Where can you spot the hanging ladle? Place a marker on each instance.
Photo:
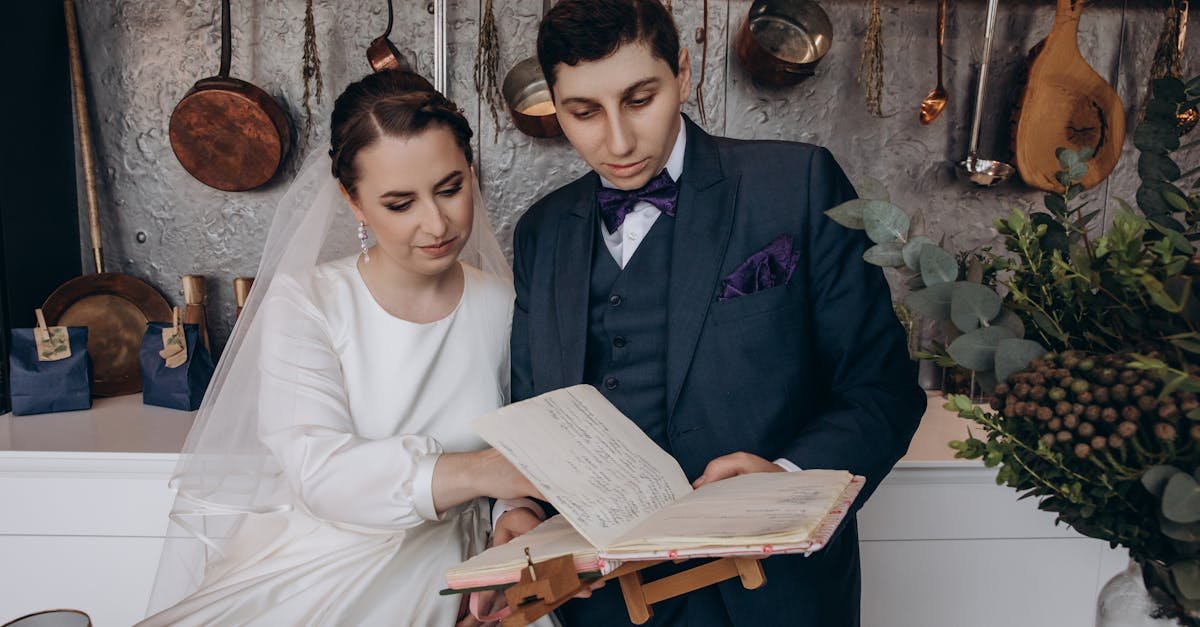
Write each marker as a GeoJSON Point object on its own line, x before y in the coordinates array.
{"type": "Point", "coordinates": [935, 102]}
{"type": "Point", "coordinates": [528, 96]}
{"type": "Point", "coordinates": [984, 172]}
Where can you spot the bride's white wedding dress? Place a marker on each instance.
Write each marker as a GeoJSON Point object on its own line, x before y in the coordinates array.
{"type": "Point", "coordinates": [355, 406]}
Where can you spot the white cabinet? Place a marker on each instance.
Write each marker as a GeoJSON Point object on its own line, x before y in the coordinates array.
{"type": "Point", "coordinates": [82, 519]}
{"type": "Point", "coordinates": [942, 545]}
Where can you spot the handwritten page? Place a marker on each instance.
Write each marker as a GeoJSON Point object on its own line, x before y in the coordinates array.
{"type": "Point", "coordinates": [760, 508]}
{"type": "Point", "coordinates": [590, 461]}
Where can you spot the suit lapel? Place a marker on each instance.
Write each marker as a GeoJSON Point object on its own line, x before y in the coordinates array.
{"type": "Point", "coordinates": [572, 277]}
{"type": "Point", "coordinates": [702, 227]}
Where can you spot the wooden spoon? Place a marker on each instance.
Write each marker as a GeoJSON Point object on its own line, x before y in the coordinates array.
{"type": "Point", "coordinates": [935, 102]}
{"type": "Point", "coordinates": [1067, 104]}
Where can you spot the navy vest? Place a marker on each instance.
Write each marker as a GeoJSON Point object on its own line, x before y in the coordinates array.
{"type": "Point", "coordinates": [627, 329]}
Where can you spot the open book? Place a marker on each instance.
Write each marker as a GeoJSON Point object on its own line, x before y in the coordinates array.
{"type": "Point", "coordinates": [622, 498]}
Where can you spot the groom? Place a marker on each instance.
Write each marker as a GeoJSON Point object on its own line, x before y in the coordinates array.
{"type": "Point", "coordinates": [695, 281]}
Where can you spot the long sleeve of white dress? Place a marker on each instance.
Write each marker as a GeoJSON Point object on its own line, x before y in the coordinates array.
{"type": "Point", "coordinates": [304, 419]}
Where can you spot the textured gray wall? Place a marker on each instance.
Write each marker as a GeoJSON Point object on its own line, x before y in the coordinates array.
{"type": "Point", "coordinates": [141, 56]}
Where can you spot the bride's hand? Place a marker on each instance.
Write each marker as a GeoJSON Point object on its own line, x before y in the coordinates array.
{"type": "Point", "coordinates": [501, 480]}
{"type": "Point", "coordinates": [461, 477]}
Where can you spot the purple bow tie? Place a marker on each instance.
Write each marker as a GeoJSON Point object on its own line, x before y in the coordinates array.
{"type": "Point", "coordinates": [615, 204]}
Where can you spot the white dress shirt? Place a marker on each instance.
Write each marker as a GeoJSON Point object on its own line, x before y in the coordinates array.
{"type": "Point", "coordinates": [623, 242]}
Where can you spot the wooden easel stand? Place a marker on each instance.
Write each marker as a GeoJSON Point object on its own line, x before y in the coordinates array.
{"type": "Point", "coordinates": [547, 585]}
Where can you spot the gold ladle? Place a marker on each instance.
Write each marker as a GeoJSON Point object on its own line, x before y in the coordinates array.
{"type": "Point", "coordinates": [935, 102]}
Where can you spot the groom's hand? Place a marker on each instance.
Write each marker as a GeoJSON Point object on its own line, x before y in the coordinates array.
{"type": "Point", "coordinates": [513, 523]}
{"type": "Point", "coordinates": [734, 464]}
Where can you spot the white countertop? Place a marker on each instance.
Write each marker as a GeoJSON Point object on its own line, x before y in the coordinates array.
{"type": "Point", "coordinates": [124, 425]}
{"type": "Point", "coordinates": [113, 425]}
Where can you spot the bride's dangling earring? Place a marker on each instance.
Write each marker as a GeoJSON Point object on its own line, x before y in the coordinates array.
{"type": "Point", "coordinates": [362, 241]}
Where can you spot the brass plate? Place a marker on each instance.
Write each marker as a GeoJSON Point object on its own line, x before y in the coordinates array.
{"type": "Point", "coordinates": [115, 308]}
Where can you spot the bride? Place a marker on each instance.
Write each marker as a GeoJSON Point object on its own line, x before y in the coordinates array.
{"type": "Point", "coordinates": [331, 476]}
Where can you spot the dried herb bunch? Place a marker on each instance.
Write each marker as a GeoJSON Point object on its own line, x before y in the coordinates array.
{"type": "Point", "coordinates": [487, 64]}
{"type": "Point", "coordinates": [870, 63]}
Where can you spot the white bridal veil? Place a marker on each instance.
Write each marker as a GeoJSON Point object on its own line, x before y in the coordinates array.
{"type": "Point", "coordinates": [225, 472]}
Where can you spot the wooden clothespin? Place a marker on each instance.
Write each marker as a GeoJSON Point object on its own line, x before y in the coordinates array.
{"type": "Point", "coordinates": [44, 333]}
{"type": "Point", "coordinates": [174, 350]}
{"type": "Point", "coordinates": [53, 343]}
{"type": "Point", "coordinates": [529, 565]}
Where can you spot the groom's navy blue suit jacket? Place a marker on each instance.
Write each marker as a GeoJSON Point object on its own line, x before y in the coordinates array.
{"type": "Point", "coordinates": [815, 371]}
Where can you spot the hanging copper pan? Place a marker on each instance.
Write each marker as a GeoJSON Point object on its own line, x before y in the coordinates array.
{"type": "Point", "coordinates": [382, 54]}
{"type": "Point", "coordinates": [227, 133]}
{"type": "Point", "coordinates": [114, 307]}
{"type": "Point", "coordinates": [528, 96]}
{"type": "Point", "coordinates": [781, 41]}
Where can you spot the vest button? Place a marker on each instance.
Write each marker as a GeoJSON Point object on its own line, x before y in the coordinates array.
{"type": "Point", "coordinates": [619, 342]}
{"type": "Point", "coordinates": [611, 383]}
{"type": "Point", "coordinates": [614, 300]}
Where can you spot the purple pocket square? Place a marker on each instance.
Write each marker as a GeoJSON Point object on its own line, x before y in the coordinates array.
{"type": "Point", "coordinates": [767, 268]}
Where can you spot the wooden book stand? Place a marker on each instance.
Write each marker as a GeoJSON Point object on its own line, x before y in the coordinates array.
{"type": "Point", "coordinates": [545, 586]}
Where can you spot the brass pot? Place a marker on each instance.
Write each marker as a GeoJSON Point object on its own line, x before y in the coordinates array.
{"type": "Point", "coordinates": [781, 41]}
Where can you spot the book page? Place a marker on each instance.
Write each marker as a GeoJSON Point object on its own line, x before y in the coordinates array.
{"type": "Point", "coordinates": [755, 509]}
{"type": "Point", "coordinates": [590, 461]}
{"type": "Point", "coordinates": [502, 564]}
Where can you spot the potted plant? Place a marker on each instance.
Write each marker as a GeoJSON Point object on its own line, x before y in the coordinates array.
{"type": "Point", "coordinates": [1089, 345]}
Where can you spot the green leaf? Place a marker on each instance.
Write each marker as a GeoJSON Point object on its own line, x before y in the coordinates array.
{"type": "Point", "coordinates": [973, 305]}
{"type": "Point", "coordinates": [1152, 136]}
{"type": "Point", "coordinates": [1186, 575]}
{"type": "Point", "coordinates": [1150, 200]}
{"type": "Point", "coordinates": [1177, 531]}
{"type": "Point", "coordinates": [1014, 354]}
{"type": "Point", "coordinates": [849, 214]}
{"type": "Point", "coordinates": [937, 266]}
{"type": "Point", "coordinates": [1067, 158]}
{"type": "Point", "coordinates": [886, 254]}
{"type": "Point", "coordinates": [885, 222]}
{"type": "Point", "coordinates": [1047, 326]}
{"type": "Point", "coordinates": [977, 350]}
{"type": "Point", "coordinates": [1055, 237]}
{"type": "Point", "coordinates": [1191, 346]}
{"type": "Point", "coordinates": [1181, 499]}
{"type": "Point", "coordinates": [869, 188]}
{"type": "Point", "coordinates": [1056, 204]}
{"type": "Point", "coordinates": [1169, 88]}
{"type": "Point", "coordinates": [1176, 201]}
{"type": "Point", "coordinates": [932, 302]}
{"type": "Point", "coordinates": [912, 252]}
{"type": "Point", "coordinates": [960, 402]}
{"type": "Point", "coordinates": [1177, 239]}
{"type": "Point", "coordinates": [1155, 166]}
{"type": "Point", "coordinates": [1159, 295]}
{"type": "Point", "coordinates": [1160, 112]}
{"type": "Point", "coordinates": [1155, 479]}
{"type": "Point", "coordinates": [1011, 321]}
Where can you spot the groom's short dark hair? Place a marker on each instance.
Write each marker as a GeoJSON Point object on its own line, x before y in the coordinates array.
{"type": "Point", "coordinates": [575, 31]}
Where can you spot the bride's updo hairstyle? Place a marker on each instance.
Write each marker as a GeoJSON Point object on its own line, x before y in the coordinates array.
{"type": "Point", "coordinates": [395, 103]}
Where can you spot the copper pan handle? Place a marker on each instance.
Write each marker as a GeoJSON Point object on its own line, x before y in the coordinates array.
{"type": "Point", "coordinates": [85, 130]}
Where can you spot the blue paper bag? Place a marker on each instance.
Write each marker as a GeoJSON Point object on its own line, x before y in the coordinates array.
{"type": "Point", "coordinates": [181, 387]}
{"type": "Point", "coordinates": [42, 387]}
